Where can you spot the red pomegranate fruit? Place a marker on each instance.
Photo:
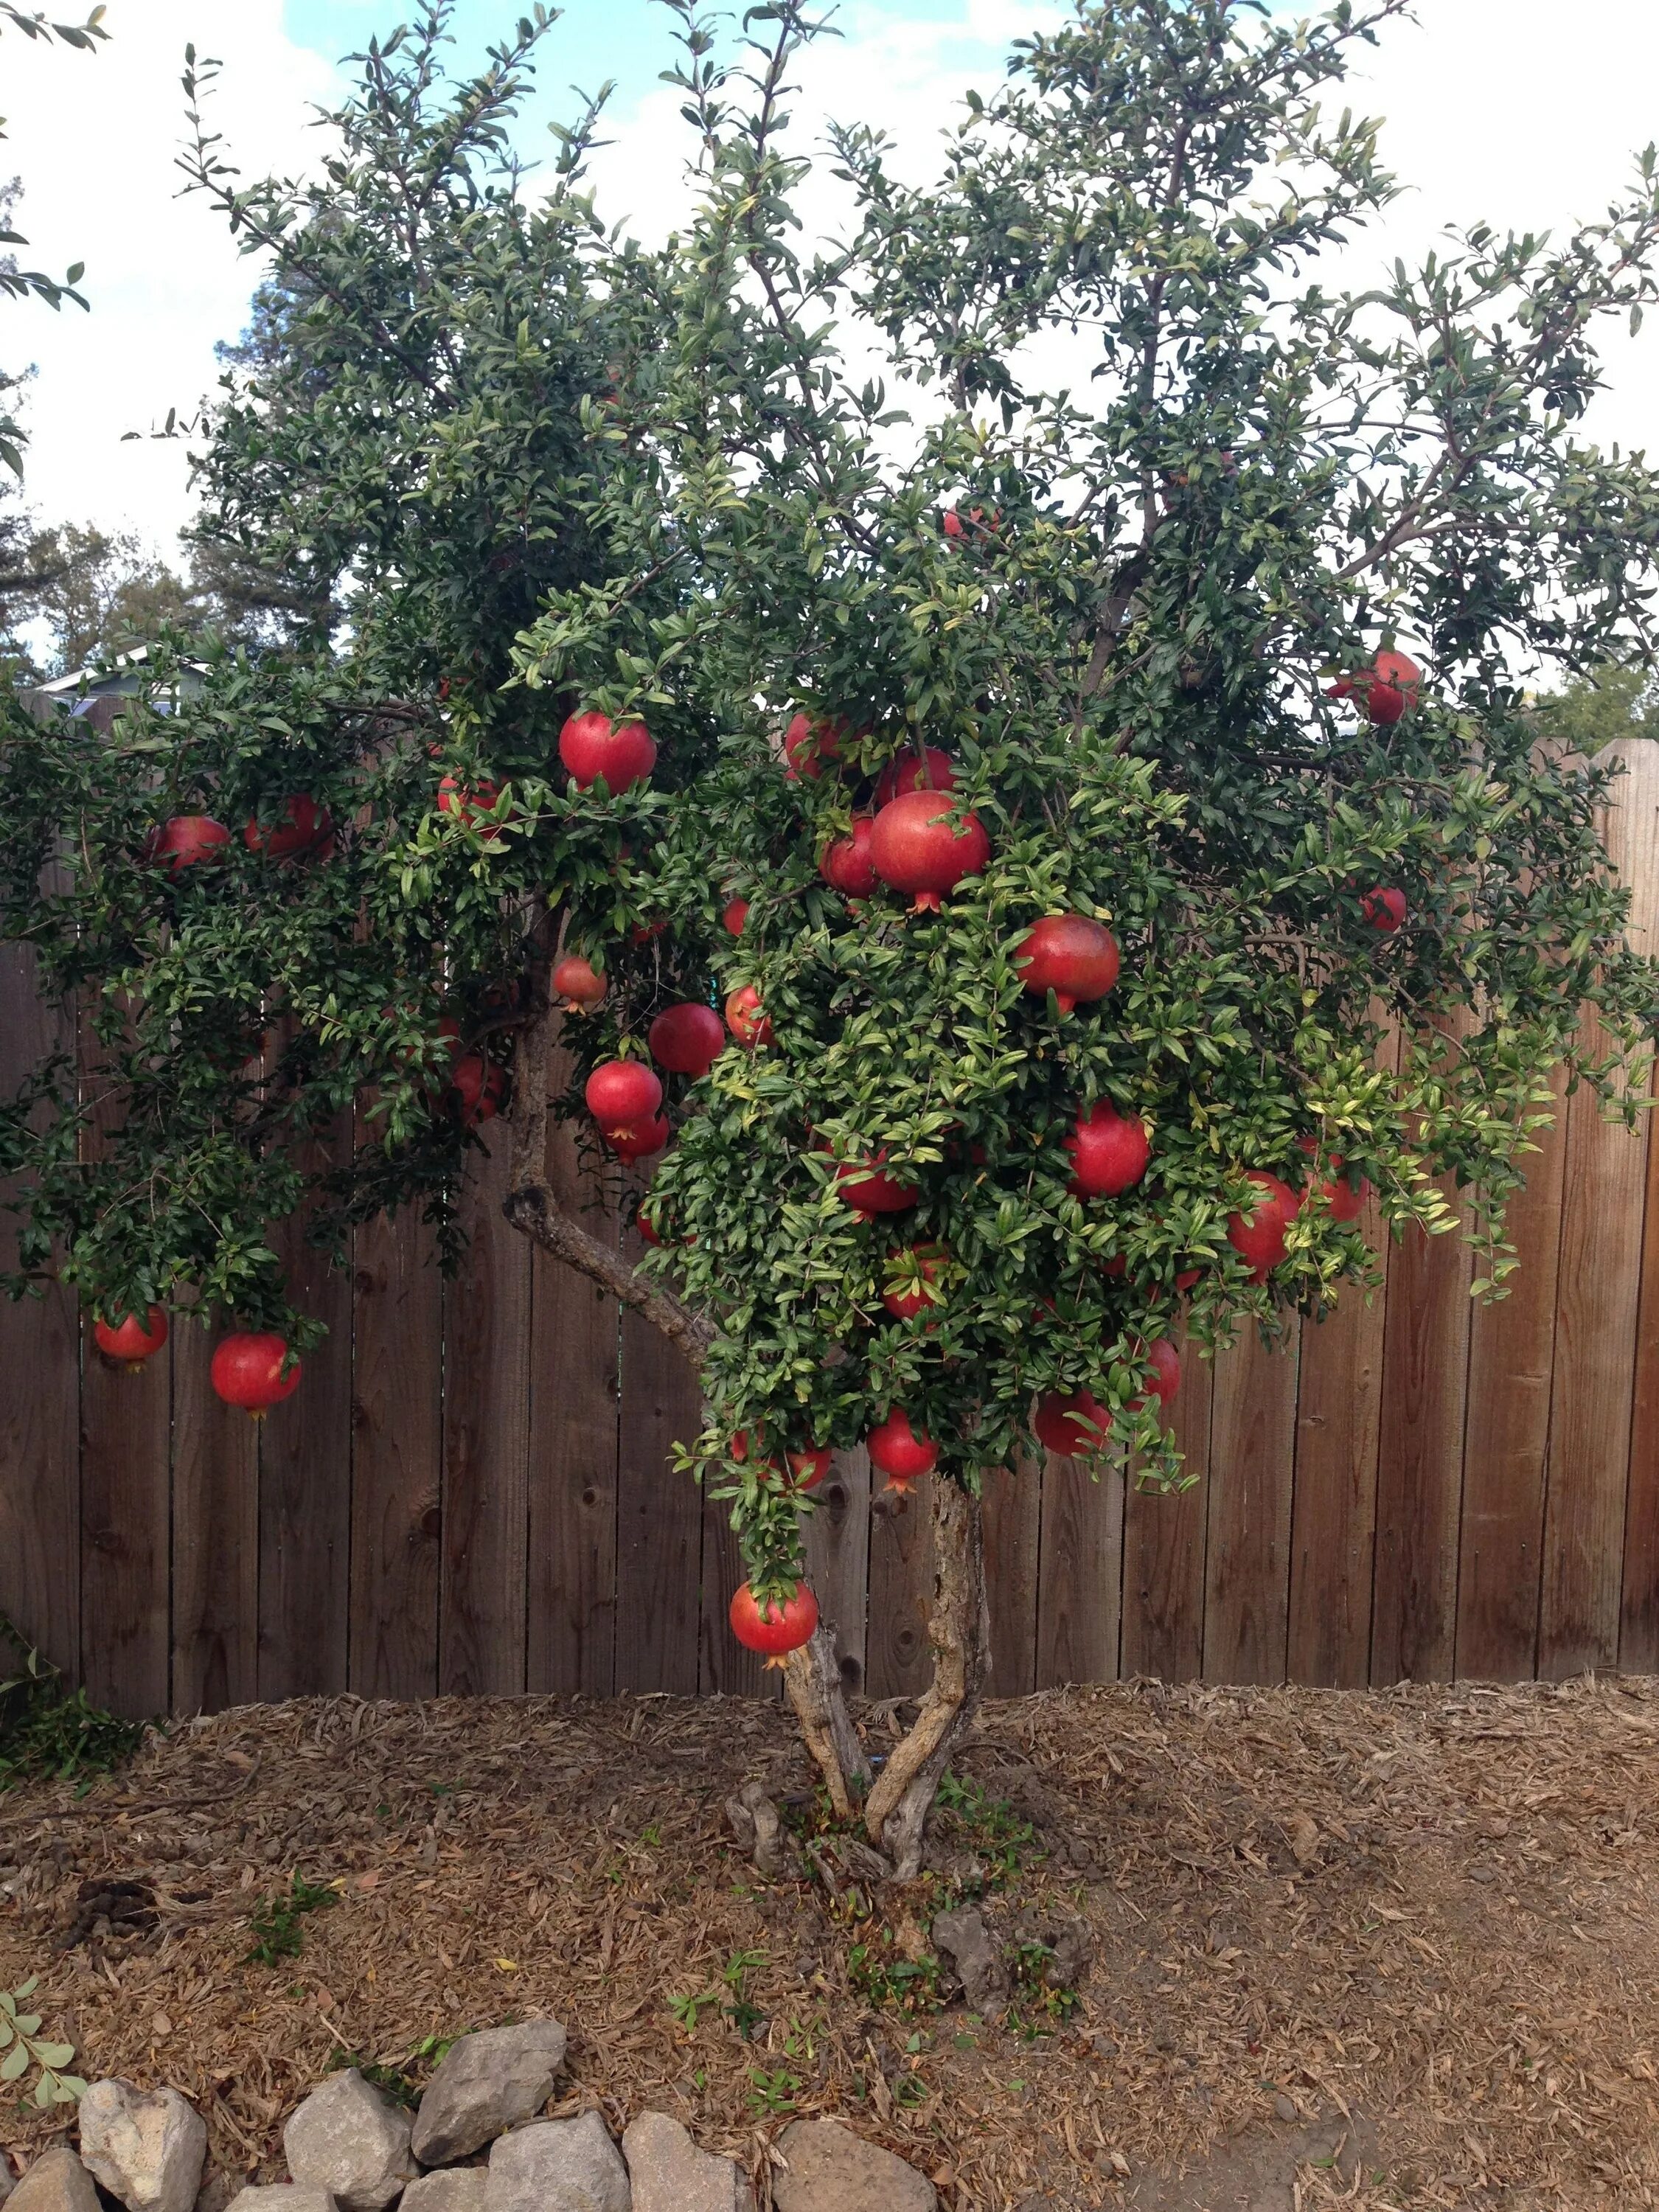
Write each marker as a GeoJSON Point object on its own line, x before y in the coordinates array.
{"type": "Point", "coordinates": [467, 802]}
{"type": "Point", "coordinates": [1108, 1151]}
{"type": "Point", "coordinates": [778, 1627]}
{"type": "Point", "coordinates": [746, 1019]}
{"type": "Point", "coordinates": [687, 1040]}
{"type": "Point", "coordinates": [810, 1467]}
{"type": "Point", "coordinates": [1070, 955]}
{"type": "Point", "coordinates": [1384, 909]}
{"type": "Point", "coordinates": [1342, 1199]}
{"type": "Point", "coordinates": [935, 771]}
{"type": "Point", "coordinates": [866, 1186]}
{"type": "Point", "coordinates": [622, 1093]}
{"type": "Point", "coordinates": [918, 847]}
{"type": "Point", "coordinates": [639, 1142]}
{"type": "Point", "coordinates": [185, 841]}
{"type": "Point", "coordinates": [952, 523]}
{"type": "Point", "coordinates": [808, 743]}
{"type": "Point", "coordinates": [1163, 1373]}
{"type": "Point", "coordinates": [647, 1233]}
{"type": "Point", "coordinates": [579, 983]}
{"type": "Point", "coordinates": [1074, 1423]}
{"type": "Point", "coordinates": [1385, 689]}
{"type": "Point", "coordinates": [900, 1452]}
{"type": "Point", "coordinates": [303, 830]}
{"type": "Point", "coordinates": [246, 1371]}
{"type": "Point", "coordinates": [845, 863]}
{"type": "Point", "coordinates": [734, 914]}
{"type": "Point", "coordinates": [132, 1340]}
{"type": "Point", "coordinates": [1258, 1237]}
{"type": "Point", "coordinates": [919, 1267]}
{"type": "Point", "coordinates": [593, 746]}
{"type": "Point", "coordinates": [477, 1088]}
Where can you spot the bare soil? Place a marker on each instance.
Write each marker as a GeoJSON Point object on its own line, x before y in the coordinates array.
{"type": "Point", "coordinates": [1382, 1951]}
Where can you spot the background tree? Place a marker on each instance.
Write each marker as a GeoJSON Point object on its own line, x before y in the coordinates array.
{"type": "Point", "coordinates": [1118, 591]}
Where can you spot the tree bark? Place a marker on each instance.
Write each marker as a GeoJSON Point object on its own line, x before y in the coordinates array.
{"type": "Point", "coordinates": [812, 1678]}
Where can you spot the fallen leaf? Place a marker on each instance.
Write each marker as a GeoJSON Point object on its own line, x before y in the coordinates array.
{"type": "Point", "coordinates": [369, 1881]}
{"type": "Point", "coordinates": [161, 2025]}
{"type": "Point", "coordinates": [1304, 1834]}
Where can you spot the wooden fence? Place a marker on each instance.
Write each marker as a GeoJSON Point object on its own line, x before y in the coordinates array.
{"type": "Point", "coordinates": [469, 1493]}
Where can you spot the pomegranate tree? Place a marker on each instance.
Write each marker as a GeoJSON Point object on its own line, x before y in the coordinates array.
{"type": "Point", "coordinates": [1060, 866]}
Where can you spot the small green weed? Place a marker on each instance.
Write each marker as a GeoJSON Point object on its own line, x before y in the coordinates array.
{"type": "Point", "coordinates": [276, 1923]}
{"type": "Point", "coordinates": [1041, 2005]}
{"type": "Point", "coordinates": [992, 1825]}
{"type": "Point", "coordinates": [775, 2093]}
{"type": "Point", "coordinates": [886, 1977]}
{"type": "Point", "coordinates": [25, 2046]}
{"type": "Point", "coordinates": [50, 1734]}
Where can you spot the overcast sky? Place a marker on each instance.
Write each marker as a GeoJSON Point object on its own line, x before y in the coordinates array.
{"type": "Point", "coordinates": [1512, 111]}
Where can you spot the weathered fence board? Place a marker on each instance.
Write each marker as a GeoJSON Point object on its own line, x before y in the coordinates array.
{"type": "Point", "coordinates": [469, 1492]}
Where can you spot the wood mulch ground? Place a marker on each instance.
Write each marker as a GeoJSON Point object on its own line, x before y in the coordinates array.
{"type": "Point", "coordinates": [1384, 1951]}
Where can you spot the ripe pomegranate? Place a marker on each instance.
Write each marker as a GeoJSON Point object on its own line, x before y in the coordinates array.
{"type": "Point", "coordinates": [1384, 910]}
{"type": "Point", "coordinates": [920, 1265]}
{"type": "Point", "coordinates": [246, 1371]}
{"type": "Point", "coordinates": [746, 1018]}
{"type": "Point", "coordinates": [952, 524]}
{"type": "Point", "coordinates": [639, 1143]}
{"type": "Point", "coordinates": [687, 1040]}
{"type": "Point", "coordinates": [1258, 1238]}
{"type": "Point", "coordinates": [622, 1093]}
{"type": "Point", "coordinates": [477, 1088]}
{"type": "Point", "coordinates": [132, 1340]}
{"type": "Point", "coordinates": [936, 771]}
{"type": "Point", "coordinates": [778, 1627]}
{"type": "Point", "coordinates": [1340, 1197]}
{"type": "Point", "coordinates": [648, 1234]}
{"type": "Point", "coordinates": [185, 840]}
{"type": "Point", "coordinates": [466, 803]}
{"type": "Point", "coordinates": [807, 745]}
{"type": "Point", "coordinates": [901, 1454]}
{"type": "Point", "coordinates": [1108, 1151]}
{"type": "Point", "coordinates": [579, 984]}
{"type": "Point", "coordinates": [1069, 955]}
{"type": "Point", "coordinates": [643, 932]}
{"type": "Point", "coordinates": [845, 863]}
{"type": "Point", "coordinates": [1076, 1425]}
{"type": "Point", "coordinates": [868, 1189]}
{"type": "Point", "coordinates": [810, 1467]}
{"type": "Point", "coordinates": [734, 916]}
{"type": "Point", "coordinates": [1164, 1373]}
{"type": "Point", "coordinates": [917, 847]}
{"type": "Point", "coordinates": [591, 746]}
{"type": "Point", "coordinates": [1385, 689]}
{"type": "Point", "coordinates": [306, 832]}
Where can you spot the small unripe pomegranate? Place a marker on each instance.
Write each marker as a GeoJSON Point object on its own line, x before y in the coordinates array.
{"type": "Point", "coordinates": [918, 847]}
{"type": "Point", "coordinates": [900, 1453]}
{"type": "Point", "coordinates": [579, 983]}
{"type": "Point", "coordinates": [746, 1019]}
{"type": "Point", "coordinates": [935, 771]}
{"type": "Point", "coordinates": [1258, 1237]}
{"type": "Point", "coordinates": [687, 1040]}
{"type": "Point", "coordinates": [734, 914]}
{"type": "Point", "coordinates": [846, 864]}
{"type": "Point", "coordinates": [1384, 909]}
{"type": "Point", "coordinates": [591, 746]}
{"type": "Point", "coordinates": [303, 830]}
{"type": "Point", "coordinates": [952, 523]}
{"type": "Point", "coordinates": [132, 1341]}
{"type": "Point", "coordinates": [1070, 955]}
{"type": "Point", "coordinates": [467, 803]}
{"type": "Point", "coordinates": [778, 1627]}
{"type": "Point", "coordinates": [1110, 1151]}
{"type": "Point", "coordinates": [622, 1093]}
{"type": "Point", "coordinates": [246, 1371]}
{"type": "Point", "coordinates": [185, 841]}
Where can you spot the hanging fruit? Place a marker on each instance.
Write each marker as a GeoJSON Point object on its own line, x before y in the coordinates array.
{"type": "Point", "coordinates": [866, 1187]}
{"type": "Point", "coordinates": [622, 1093]}
{"type": "Point", "coordinates": [640, 1142]}
{"type": "Point", "coordinates": [246, 1371]}
{"type": "Point", "coordinates": [1258, 1237]}
{"type": "Point", "coordinates": [808, 745]}
{"type": "Point", "coordinates": [305, 831]}
{"type": "Point", "coordinates": [933, 771]}
{"type": "Point", "coordinates": [579, 983]}
{"type": "Point", "coordinates": [746, 1019]}
{"type": "Point", "coordinates": [918, 847]}
{"type": "Point", "coordinates": [591, 746]}
{"type": "Point", "coordinates": [845, 864]}
{"type": "Point", "coordinates": [1070, 955]}
{"type": "Point", "coordinates": [687, 1040]}
{"type": "Point", "coordinates": [1075, 1424]}
{"type": "Point", "coordinates": [476, 1089]}
{"type": "Point", "coordinates": [185, 841]}
{"type": "Point", "coordinates": [1383, 909]}
{"type": "Point", "coordinates": [465, 803]}
{"type": "Point", "coordinates": [132, 1341]}
{"type": "Point", "coordinates": [918, 1267]}
{"type": "Point", "coordinates": [900, 1452]}
{"type": "Point", "coordinates": [736, 913]}
{"type": "Point", "coordinates": [1342, 1199]}
{"type": "Point", "coordinates": [810, 1467]}
{"type": "Point", "coordinates": [1385, 689]}
{"type": "Point", "coordinates": [1163, 1373]}
{"type": "Point", "coordinates": [1109, 1150]}
{"type": "Point", "coordinates": [778, 1627]}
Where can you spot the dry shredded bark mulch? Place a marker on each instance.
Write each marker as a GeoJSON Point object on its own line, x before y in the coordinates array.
{"type": "Point", "coordinates": [1393, 1950]}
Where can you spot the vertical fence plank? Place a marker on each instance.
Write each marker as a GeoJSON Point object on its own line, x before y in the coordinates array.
{"type": "Point", "coordinates": [1596, 1296]}
{"type": "Point", "coordinates": [396, 1457]}
{"type": "Point", "coordinates": [39, 1407]}
{"type": "Point", "coordinates": [1164, 1545]}
{"type": "Point", "coordinates": [483, 1590]}
{"type": "Point", "coordinates": [215, 1537]}
{"type": "Point", "coordinates": [1639, 1638]}
{"type": "Point", "coordinates": [900, 1592]}
{"type": "Point", "coordinates": [125, 1500]}
{"type": "Point", "coordinates": [1248, 1558]}
{"type": "Point", "coordinates": [659, 1516]}
{"type": "Point", "coordinates": [305, 1485]}
{"type": "Point", "coordinates": [838, 1558]}
{"type": "Point", "coordinates": [1011, 1507]}
{"type": "Point", "coordinates": [1511, 1351]}
{"type": "Point", "coordinates": [1080, 1604]}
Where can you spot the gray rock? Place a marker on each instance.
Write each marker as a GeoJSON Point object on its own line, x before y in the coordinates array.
{"type": "Point", "coordinates": [216, 2193]}
{"type": "Point", "coordinates": [671, 2174]}
{"type": "Point", "coordinates": [56, 2182]}
{"type": "Point", "coordinates": [452, 2189]}
{"type": "Point", "coordinates": [281, 2196]}
{"type": "Point", "coordinates": [146, 2147]}
{"type": "Point", "coordinates": [964, 1940]}
{"type": "Point", "coordinates": [349, 2139]}
{"type": "Point", "coordinates": [557, 2166]}
{"type": "Point", "coordinates": [485, 2084]}
{"type": "Point", "coordinates": [832, 2170]}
